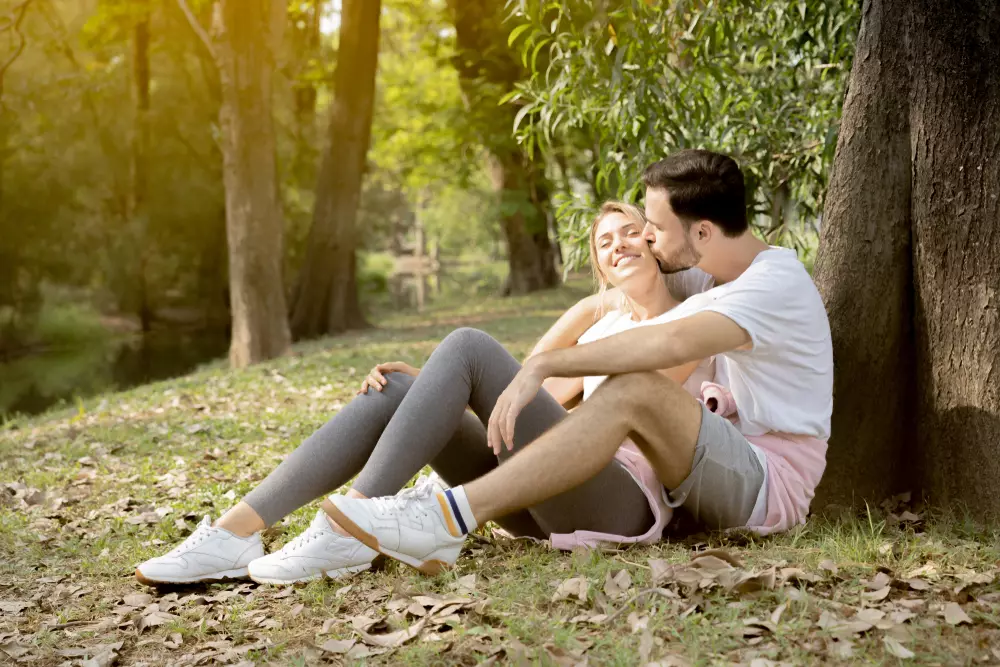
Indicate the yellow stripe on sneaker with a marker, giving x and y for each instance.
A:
(452, 528)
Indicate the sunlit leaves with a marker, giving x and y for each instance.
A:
(626, 83)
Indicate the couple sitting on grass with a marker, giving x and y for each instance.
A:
(719, 402)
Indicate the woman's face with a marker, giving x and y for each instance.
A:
(622, 252)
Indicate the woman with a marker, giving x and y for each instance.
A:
(390, 432)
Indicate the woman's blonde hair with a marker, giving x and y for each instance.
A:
(633, 213)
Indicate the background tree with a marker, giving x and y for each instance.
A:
(246, 34)
(616, 86)
(488, 71)
(326, 294)
(909, 261)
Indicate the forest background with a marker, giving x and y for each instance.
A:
(496, 128)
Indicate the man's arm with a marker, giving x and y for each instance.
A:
(668, 345)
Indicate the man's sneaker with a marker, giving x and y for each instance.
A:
(317, 552)
(208, 554)
(410, 527)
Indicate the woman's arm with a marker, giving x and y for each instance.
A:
(564, 333)
(571, 325)
(564, 390)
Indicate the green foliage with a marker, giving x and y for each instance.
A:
(616, 86)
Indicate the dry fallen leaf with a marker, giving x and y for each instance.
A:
(778, 611)
(897, 649)
(875, 596)
(338, 645)
(154, 619)
(617, 585)
(927, 570)
(637, 622)
(15, 649)
(841, 648)
(466, 584)
(138, 599)
(880, 581)
(14, 606)
(645, 646)
(917, 584)
(394, 639)
(576, 587)
(955, 615)
(829, 566)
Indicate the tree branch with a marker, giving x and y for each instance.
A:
(198, 30)
(13, 22)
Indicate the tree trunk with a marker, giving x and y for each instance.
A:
(306, 50)
(487, 70)
(326, 295)
(137, 215)
(909, 261)
(246, 32)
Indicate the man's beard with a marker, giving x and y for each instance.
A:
(682, 259)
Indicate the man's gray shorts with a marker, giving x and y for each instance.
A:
(725, 479)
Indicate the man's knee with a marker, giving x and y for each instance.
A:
(635, 395)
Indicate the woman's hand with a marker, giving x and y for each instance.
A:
(376, 378)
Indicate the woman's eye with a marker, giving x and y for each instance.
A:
(634, 232)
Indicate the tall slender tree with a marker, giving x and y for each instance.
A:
(326, 297)
(909, 259)
(246, 33)
(488, 70)
(137, 215)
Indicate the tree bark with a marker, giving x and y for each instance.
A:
(246, 32)
(909, 261)
(488, 70)
(326, 295)
(137, 215)
(306, 52)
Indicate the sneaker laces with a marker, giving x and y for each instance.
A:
(203, 530)
(408, 501)
(303, 538)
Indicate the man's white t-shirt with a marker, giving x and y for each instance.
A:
(784, 383)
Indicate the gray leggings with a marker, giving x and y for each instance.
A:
(390, 435)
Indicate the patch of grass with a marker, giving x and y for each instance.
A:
(193, 445)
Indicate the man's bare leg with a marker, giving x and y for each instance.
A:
(656, 412)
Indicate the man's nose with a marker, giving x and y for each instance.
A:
(648, 234)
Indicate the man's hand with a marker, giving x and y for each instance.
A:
(521, 391)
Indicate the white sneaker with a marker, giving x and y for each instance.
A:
(410, 527)
(208, 554)
(317, 552)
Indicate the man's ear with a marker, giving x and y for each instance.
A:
(703, 231)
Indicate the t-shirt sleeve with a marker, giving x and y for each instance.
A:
(685, 284)
(761, 303)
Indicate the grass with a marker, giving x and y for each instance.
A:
(182, 448)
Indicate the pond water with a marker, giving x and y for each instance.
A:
(32, 384)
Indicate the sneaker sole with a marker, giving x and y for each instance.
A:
(329, 574)
(223, 575)
(429, 567)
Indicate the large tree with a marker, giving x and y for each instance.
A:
(489, 69)
(326, 295)
(246, 33)
(909, 260)
(136, 214)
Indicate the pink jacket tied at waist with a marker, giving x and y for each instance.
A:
(795, 464)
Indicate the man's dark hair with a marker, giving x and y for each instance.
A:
(702, 185)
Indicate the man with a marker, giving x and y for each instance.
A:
(763, 320)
